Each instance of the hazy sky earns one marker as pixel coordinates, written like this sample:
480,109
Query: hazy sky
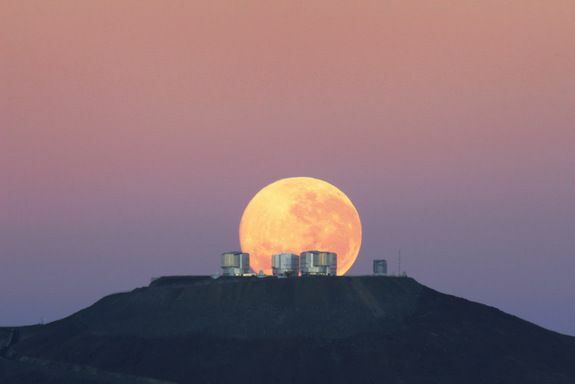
133,134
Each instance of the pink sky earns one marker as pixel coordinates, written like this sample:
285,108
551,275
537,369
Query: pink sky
133,134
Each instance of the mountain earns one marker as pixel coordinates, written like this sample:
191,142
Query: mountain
295,330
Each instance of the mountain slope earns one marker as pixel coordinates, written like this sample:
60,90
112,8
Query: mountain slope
339,330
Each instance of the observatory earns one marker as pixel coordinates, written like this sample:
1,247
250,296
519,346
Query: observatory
285,264
235,264
318,263
380,267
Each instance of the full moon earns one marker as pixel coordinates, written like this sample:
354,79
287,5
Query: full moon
300,214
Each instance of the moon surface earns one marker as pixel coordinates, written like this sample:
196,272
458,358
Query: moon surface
299,214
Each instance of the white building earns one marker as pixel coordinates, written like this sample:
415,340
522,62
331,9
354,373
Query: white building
380,267
285,264
318,263
235,264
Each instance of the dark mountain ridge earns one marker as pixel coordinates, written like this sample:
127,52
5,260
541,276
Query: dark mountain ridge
315,329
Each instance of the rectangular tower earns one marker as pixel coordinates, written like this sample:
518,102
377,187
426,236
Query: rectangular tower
380,267
235,263
318,263
285,264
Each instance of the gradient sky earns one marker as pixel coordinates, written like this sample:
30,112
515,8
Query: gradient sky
133,134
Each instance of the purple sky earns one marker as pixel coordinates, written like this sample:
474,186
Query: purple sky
133,134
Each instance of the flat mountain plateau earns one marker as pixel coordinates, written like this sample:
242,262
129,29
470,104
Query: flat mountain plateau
194,329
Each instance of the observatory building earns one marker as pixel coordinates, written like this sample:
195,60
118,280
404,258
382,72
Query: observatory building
318,263
380,267
235,264
285,264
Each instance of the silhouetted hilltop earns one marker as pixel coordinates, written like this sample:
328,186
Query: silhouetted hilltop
315,329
